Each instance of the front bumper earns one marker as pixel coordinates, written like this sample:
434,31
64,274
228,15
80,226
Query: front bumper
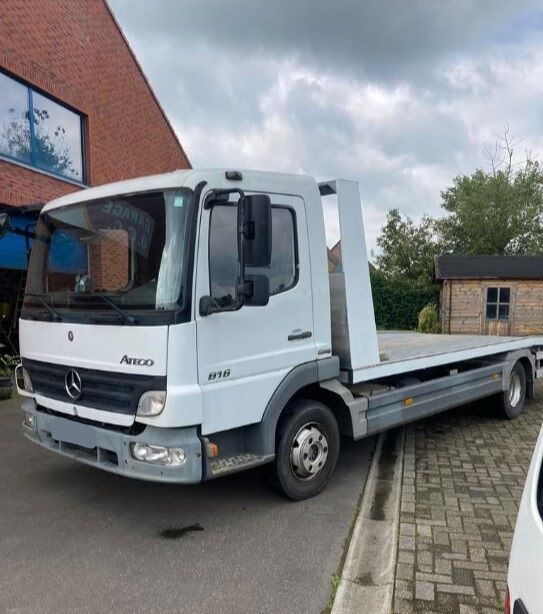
111,449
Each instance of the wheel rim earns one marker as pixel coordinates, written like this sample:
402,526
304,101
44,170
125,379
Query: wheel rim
309,451
515,389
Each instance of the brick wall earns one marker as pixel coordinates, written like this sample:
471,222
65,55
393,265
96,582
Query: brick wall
108,261
74,51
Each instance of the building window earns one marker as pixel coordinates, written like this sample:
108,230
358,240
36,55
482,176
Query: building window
497,303
38,131
223,253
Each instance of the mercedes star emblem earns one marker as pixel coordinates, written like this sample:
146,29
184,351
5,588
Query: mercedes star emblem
70,336
72,383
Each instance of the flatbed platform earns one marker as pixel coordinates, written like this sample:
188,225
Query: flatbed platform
404,351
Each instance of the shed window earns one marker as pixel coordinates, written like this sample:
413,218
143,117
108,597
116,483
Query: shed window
497,303
38,131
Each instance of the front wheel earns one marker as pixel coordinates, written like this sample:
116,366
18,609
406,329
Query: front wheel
307,450
511,402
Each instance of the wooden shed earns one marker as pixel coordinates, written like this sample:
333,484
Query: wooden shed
491,295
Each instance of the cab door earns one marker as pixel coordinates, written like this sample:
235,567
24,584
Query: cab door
243,354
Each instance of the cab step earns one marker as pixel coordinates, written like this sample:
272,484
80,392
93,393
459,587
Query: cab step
237,462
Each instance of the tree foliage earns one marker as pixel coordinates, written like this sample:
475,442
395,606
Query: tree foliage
398,302
494,213
407,249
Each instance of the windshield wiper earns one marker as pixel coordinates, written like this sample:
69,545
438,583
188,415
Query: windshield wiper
127,317
55,315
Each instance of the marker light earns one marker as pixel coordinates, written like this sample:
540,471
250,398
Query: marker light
29,421
151,403
158,455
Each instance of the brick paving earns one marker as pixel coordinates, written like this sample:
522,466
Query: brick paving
463,477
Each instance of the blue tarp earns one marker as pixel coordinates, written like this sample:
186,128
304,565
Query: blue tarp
67,255
12,246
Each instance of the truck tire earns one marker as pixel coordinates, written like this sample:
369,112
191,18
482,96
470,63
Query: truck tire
307,450
510,403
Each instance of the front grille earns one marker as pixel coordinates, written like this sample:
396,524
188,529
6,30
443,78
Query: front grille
136,428
104,390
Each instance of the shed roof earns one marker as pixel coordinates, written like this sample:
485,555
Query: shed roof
449,266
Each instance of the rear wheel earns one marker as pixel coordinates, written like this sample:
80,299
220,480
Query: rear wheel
307,450
510,403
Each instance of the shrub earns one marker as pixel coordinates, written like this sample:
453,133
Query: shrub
5,369
397,302
11,361
429,319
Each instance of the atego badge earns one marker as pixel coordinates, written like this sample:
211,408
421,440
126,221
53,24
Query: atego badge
138,362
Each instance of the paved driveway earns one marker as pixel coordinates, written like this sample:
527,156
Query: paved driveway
73,538
463,477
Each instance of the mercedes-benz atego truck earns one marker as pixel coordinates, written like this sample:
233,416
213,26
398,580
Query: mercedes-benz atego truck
185,326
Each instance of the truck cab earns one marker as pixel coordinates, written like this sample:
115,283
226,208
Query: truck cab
141,355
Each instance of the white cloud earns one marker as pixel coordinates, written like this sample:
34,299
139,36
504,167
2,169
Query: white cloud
402,109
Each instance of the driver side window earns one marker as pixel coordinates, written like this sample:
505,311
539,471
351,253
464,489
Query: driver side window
223,253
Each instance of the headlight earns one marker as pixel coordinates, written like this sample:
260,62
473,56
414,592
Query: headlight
27,381
158,455
151,403
23,380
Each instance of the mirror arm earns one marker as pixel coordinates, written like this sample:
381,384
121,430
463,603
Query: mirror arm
242,234
245,288
215,196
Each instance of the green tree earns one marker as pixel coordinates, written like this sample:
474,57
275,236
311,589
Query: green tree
406,248
499,211
494,213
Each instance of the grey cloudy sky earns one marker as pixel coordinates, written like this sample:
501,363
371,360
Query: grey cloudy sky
398,95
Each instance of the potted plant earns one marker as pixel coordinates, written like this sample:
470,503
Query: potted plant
7,364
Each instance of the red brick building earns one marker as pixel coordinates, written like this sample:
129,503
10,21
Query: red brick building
75,110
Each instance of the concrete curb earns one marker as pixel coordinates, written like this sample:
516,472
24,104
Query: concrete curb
367,579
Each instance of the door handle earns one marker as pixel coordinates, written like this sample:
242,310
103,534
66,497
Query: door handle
295,336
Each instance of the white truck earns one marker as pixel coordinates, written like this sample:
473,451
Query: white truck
185,326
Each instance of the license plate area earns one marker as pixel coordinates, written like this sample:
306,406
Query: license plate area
73,432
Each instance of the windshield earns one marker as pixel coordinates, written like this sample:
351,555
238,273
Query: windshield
116,255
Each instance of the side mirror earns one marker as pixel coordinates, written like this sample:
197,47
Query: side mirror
257,230
4,224
255,290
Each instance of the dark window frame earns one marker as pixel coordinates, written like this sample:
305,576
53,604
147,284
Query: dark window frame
294,283
30,90
498,303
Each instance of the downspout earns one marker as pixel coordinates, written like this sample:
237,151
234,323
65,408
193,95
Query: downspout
450,305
